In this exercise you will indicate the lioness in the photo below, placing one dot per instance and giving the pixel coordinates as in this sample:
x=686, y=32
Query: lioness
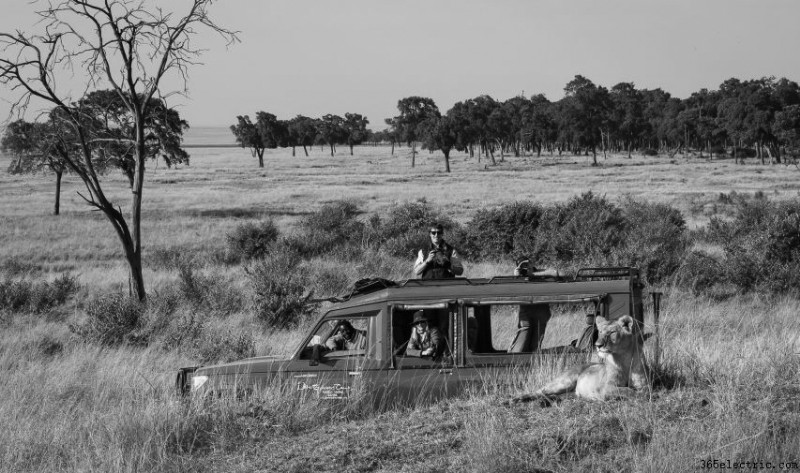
x=618, y=373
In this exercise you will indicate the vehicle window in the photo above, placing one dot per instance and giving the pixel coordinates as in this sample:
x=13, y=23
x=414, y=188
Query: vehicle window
x=430, y=341
x=527, y=328
x=344, y=337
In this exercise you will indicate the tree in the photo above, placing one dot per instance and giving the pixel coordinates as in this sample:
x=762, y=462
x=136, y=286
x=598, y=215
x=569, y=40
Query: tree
x=355, y=129
x=110, y=122
x=248, y=136
x=33, y=144
x=266, y=133
x=302, y=132
x=440, y=133
x=585, y=112
x=413, y=112
x=627, y=117
x=129, y=46
x=331, y=130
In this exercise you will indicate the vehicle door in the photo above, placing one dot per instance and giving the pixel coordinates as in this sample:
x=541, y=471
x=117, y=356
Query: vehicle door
x=504, y=339
x=416, y=378
x=332, y=366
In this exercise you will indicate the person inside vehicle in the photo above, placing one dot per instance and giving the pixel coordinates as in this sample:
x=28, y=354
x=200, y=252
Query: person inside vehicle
x=532, y=318
x=440, y=260
x=347, y=337
x=426, y=340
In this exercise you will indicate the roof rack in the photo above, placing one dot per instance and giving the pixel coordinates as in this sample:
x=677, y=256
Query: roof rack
x=621, y=272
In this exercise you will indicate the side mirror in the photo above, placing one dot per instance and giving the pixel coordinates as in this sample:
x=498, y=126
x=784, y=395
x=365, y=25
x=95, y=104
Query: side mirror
x=316, y=355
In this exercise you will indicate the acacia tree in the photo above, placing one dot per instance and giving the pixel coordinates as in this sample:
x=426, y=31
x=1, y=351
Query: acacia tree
x=35, y=148
x=129, y=46
x=585, y=111
x=413, y=112
x=440, y=133
x=302, y=132
x=248, y=136
x=331, y=129
x=111, y=123
x=355, y=129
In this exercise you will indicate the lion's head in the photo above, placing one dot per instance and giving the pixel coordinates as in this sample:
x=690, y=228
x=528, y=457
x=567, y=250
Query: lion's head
x=617, y=336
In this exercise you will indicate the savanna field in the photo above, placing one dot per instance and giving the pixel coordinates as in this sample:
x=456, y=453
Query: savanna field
x=88, y=375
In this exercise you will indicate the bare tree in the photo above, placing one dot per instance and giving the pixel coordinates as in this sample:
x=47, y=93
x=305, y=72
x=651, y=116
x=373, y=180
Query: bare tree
x=129, y=46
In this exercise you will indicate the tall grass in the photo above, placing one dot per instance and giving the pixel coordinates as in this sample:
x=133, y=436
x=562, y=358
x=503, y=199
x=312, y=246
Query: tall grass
x=725, y=386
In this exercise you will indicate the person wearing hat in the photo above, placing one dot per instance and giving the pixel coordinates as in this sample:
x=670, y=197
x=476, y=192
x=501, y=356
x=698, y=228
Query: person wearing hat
x=426, y=340
x=441, y=260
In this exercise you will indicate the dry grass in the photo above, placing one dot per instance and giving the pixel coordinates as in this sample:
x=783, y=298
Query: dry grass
x=727, y=387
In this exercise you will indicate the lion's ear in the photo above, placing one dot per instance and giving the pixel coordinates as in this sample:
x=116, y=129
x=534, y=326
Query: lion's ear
x=600, y=321
x=627, y=323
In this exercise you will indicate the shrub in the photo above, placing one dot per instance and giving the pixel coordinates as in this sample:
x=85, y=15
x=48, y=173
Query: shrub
x=280, y=299
x=219, y=347
x=699, y=273
x=15, y=266
x=761, y=244
x=36, y=297
x=208, y=293
x=111, y=319
x=584, y=231
x=404, y=230
x=649, y=152
x=493, y=233
x=252, y=240
x=655, y=240
x=334, y=228
x=167, y=258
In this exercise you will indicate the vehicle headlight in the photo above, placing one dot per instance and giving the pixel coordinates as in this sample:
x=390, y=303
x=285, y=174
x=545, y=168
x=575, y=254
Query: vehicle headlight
x=198, y=382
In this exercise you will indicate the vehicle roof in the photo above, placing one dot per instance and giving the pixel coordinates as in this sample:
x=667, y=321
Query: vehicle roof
x=431, y=291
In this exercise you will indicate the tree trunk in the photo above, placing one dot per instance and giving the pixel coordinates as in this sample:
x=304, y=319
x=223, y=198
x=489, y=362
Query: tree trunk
x=351, y=150
x=594, y=155
x=305, y=150
x=446, y=160
x=134, y=254
x=293, y=151
x=392, y=147
x=58, y=192
x=331, y=149
x=260, y=154
x=413, y=154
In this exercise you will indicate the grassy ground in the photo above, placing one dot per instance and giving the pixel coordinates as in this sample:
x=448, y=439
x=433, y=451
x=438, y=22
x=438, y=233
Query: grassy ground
x=727, y=387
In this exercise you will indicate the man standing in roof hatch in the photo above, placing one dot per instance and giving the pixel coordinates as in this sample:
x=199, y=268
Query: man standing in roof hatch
x=440, y=261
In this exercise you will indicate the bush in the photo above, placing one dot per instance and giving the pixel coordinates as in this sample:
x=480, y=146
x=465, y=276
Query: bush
x=36, y=297
x=404, y=230
x=167, y=258
x=493, y=233
x=649, y=152
x=208, y=293
x=111, y=319
x=220, y=347
x=761, y=244
x=252, y=240
x=655, y=240
x=280, y=299
x=583, y=232
x=699, y=273
x=334, y=228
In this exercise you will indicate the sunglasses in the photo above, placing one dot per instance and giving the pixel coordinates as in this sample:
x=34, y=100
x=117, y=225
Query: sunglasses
x=436, y=232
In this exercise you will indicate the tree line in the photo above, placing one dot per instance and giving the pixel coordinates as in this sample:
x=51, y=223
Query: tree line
x=759, y=117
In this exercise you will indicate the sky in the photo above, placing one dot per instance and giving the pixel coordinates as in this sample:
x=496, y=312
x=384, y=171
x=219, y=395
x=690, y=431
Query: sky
x=313, y=57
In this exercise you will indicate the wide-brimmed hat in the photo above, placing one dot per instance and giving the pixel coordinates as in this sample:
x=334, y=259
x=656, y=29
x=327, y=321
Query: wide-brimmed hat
x=419, y=316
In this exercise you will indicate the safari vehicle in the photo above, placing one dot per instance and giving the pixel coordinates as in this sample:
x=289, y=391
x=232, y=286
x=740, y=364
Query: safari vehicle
x=485, y=324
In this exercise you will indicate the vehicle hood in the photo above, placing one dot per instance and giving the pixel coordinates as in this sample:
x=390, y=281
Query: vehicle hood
x=261, y=364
